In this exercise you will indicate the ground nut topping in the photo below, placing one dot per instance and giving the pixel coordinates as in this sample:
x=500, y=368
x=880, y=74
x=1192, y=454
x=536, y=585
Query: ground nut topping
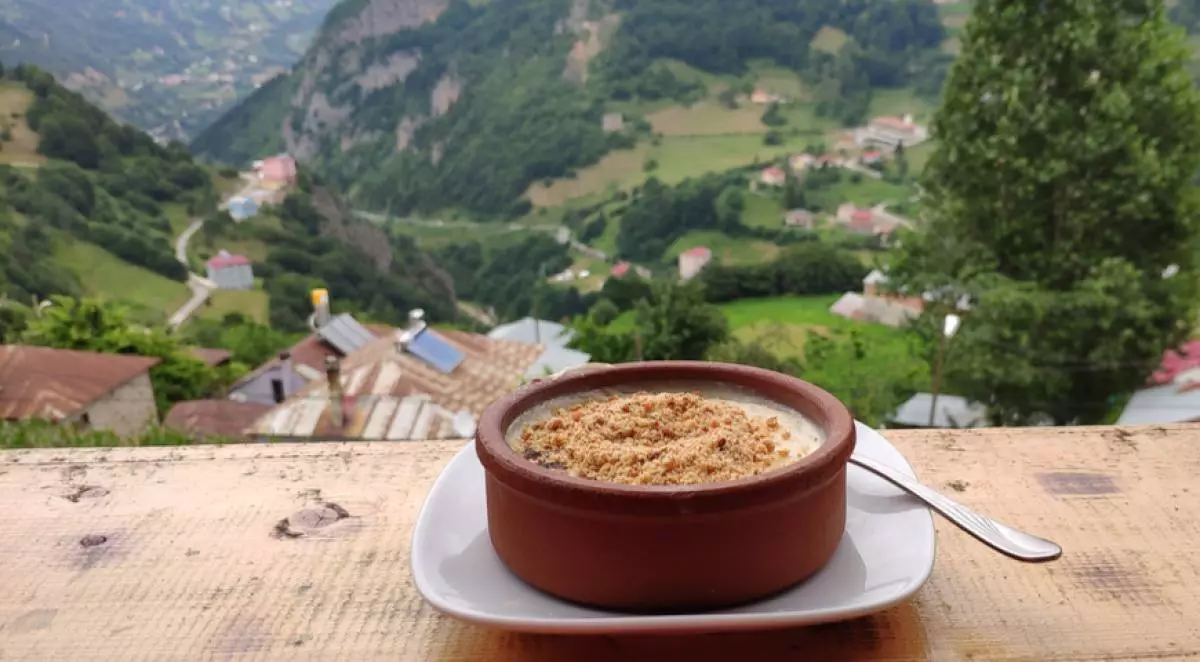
x=672, y=438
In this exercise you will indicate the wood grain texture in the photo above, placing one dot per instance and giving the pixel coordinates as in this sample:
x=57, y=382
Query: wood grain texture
x=264, y=552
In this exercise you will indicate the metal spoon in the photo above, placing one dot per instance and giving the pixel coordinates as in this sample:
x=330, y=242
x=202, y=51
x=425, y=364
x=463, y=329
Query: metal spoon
x=1004, y=539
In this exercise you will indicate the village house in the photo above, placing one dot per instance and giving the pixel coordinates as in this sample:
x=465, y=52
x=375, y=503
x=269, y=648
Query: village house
x=1173, y=390
x=214, y=418
x=871, y=157
x=414, y=384
x=280, y=378
x=762, y=97
x=622, y=269
x=613, y=122
x=889, y=132
x=276, y=172
x=241, y=208
x=773, y=176
x=550, y=335
x=94, y=391
x=801, y=162
x=800, y=218
x=230, y=272
x=692, y=261
x=953, y=411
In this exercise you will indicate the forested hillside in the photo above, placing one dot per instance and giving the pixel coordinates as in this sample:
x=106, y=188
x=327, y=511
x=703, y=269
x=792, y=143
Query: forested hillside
x=79, y=190
x=419, y=105
x=76, y=175
x=167, y=66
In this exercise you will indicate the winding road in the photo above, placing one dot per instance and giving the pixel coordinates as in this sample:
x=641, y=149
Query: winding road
x=200, y=286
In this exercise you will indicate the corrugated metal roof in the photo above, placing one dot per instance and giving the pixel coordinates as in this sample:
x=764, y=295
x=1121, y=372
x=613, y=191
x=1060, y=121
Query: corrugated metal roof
x=555, y=359
x=953, y=411
x=40, y=382
x=391, y=395
x=529, y=330
x=345, y=334
x=1171, y=403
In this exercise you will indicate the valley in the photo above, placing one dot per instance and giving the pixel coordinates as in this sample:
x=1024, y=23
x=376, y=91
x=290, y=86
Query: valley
x=170, y=67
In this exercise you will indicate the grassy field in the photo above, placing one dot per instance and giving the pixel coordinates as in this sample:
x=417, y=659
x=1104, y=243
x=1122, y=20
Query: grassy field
x=177, y=214
x=901, y=102
x=22, y=148
x=432, y=237
x=106, y=276
x=730, y=250
x=678, y=157
x=707, y=118
x=868, y=191
x=251, y=303
x=763, y=211
x=782, y=325
x=829, y=39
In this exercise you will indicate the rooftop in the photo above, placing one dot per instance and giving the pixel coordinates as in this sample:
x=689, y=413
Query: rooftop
x=181, y=562
x=953, y=411
x=225, y=259
x=529, y=330
x=1169, y=403
x=40, y=382
x=393, y=395
x=699, y=251
x=222, y=418
x=213, y=357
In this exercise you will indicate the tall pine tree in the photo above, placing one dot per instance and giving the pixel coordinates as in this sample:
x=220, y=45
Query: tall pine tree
x=1061, y=190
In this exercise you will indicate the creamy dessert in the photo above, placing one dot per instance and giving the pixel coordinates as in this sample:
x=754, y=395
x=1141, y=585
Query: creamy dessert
x=663, y=437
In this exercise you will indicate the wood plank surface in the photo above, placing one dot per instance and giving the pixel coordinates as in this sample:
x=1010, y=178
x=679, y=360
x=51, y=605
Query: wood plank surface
x=177, y=554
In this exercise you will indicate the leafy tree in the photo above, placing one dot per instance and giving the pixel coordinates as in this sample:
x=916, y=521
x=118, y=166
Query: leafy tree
x=850, y=367
x=674, y=323
x=97, y=326
x=677, y=324
x=774, y=116
x=604, y=312
x=772, y=138
x=1060, y=191
x=793, y=193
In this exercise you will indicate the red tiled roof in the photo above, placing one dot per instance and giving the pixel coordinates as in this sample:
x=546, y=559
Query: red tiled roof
x=871, y=155
x=620, y=270
x=699, y=251
x=278, y=169
x=221, y=418
x=1175, y=361
x=213, y=357
x=40, y=382
x=862, y=215
x=222, y=261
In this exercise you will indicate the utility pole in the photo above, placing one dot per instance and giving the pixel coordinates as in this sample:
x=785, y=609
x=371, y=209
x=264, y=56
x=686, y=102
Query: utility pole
x=937, y=375
x=946, y=329
x=537, y=323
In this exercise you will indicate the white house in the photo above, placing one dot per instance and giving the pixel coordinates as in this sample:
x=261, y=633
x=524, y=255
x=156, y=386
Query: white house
x=692, y=261
x=231, y=272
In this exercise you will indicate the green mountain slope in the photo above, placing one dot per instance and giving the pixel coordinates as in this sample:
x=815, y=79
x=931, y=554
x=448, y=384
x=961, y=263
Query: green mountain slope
x=86, y=208
x=168, y=66
x=420, y=105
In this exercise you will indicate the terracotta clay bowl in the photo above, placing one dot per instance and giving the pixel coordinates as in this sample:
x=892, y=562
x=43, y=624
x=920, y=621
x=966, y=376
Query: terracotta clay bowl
x=667, y=548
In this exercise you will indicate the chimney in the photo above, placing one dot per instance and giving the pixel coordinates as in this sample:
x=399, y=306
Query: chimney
x=333, y=372
x=320, y=302
x=280, y=384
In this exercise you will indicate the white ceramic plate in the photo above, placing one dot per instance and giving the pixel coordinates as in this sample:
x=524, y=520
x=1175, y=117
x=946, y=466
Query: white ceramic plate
x=885, y=556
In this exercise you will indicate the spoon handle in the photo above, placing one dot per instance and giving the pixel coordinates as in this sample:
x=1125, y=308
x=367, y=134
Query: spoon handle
x=1004, y=539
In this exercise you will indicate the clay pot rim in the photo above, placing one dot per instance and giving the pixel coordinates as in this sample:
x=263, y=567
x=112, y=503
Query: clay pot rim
x=823, y=464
